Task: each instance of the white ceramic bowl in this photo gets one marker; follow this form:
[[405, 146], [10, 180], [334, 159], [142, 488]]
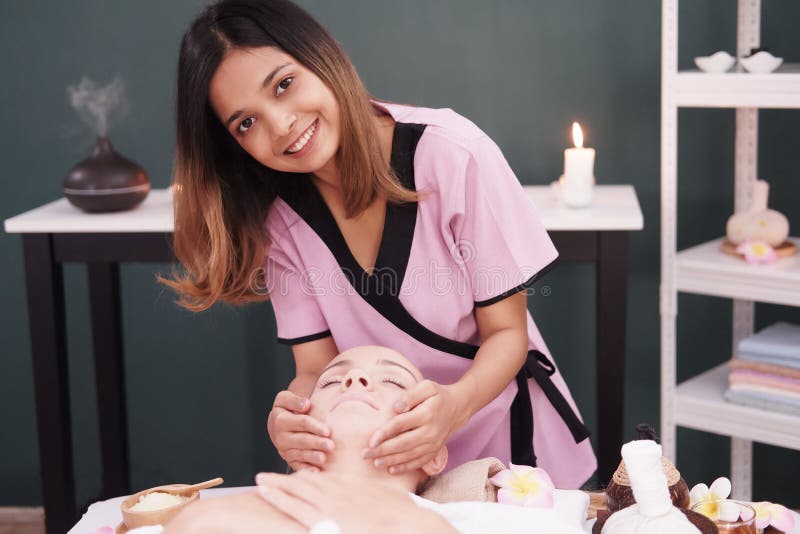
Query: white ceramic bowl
[[761, 62], [716, 63]]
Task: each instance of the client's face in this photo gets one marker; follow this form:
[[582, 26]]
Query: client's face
[[355, 393]]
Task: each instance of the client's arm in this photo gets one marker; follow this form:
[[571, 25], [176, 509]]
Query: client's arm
[[356, 504], [295, 503]]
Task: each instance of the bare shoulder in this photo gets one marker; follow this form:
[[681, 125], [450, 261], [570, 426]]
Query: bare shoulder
[[244, 513]]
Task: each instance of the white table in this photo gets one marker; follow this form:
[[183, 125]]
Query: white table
[[57, 233], [615, 207]]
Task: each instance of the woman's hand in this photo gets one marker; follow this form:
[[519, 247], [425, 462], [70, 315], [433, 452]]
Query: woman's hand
[[428, 414], [356, 505], [300, 439]]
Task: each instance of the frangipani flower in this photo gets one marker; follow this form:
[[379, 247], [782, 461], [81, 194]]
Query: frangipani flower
[[757, 252], [713, 501], [524, 485], [720, 510], [720, 489], [776, 515]]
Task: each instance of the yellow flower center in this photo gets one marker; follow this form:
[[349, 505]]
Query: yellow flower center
[[525, 485], [709, 509]]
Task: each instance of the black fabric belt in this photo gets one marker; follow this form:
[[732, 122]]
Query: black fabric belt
[[540, 368]]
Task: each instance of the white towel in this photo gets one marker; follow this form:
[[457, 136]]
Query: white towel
[[566, 517]]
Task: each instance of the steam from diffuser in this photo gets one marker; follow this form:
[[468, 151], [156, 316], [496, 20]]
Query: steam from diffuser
[[96, 105]]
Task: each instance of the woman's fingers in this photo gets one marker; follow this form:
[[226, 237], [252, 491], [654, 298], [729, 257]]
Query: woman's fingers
[[292, 402], [300, 439], [411, 465], [283, 498], [409, 452], [303, 484], [314, 458], [416, 395], [397, 425], [303, 440], [286, 421], [405, 441]]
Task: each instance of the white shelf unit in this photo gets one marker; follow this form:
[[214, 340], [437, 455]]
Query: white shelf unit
[[698, 403], [705, 270], [779, 89]]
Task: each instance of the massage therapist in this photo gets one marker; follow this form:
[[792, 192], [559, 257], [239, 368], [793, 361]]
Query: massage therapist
[[369, 223]]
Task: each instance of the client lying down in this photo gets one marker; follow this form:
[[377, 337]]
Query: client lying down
[[354, 396]]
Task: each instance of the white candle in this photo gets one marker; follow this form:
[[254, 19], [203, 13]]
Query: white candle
[[578, 161], [577, 182]]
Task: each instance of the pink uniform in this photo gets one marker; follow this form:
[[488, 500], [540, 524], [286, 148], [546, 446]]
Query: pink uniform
[[473, 239]]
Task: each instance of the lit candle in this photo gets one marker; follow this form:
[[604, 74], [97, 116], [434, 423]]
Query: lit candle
[[577, 183], [578, 161]]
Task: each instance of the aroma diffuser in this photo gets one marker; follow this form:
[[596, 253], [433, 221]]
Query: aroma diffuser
[[106, 181]]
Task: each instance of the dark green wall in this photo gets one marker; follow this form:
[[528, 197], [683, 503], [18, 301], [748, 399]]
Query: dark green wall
[[199, 386]]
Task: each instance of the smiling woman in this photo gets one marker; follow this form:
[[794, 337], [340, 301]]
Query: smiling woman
[[367, 223], [289, 121], [290, 74]]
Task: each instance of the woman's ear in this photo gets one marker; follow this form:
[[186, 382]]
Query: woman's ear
[[437, 464]]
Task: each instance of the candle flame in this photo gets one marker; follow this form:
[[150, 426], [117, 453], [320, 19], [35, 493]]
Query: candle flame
[[577, 135]]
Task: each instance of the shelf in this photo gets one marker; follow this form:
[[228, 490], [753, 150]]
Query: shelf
[[780, 89], [699, 404], [706, 270]]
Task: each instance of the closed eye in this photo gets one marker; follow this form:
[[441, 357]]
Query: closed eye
[[328, 380], [394, 380]]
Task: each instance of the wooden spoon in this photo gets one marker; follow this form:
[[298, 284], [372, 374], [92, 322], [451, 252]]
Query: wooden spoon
[[177, 489]]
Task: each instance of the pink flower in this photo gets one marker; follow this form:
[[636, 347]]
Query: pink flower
[[103, 530], [778, 516], [524, 485], [757, 252]]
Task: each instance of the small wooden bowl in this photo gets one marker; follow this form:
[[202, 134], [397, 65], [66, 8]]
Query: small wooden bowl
[[134, 519]]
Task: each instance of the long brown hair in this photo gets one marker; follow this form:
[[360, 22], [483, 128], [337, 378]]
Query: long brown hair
[[222, 194]]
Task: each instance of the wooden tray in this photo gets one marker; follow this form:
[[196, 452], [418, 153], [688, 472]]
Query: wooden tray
[[784, 250]]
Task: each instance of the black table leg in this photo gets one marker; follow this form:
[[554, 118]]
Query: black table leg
[[104, 294], [612, 279], [46, 319]]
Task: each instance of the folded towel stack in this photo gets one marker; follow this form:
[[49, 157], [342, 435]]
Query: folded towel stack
[[766, 373]]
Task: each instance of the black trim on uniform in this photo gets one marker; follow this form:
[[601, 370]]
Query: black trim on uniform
[[524, 285], [303, 339], [540, 368], [380, 289], [398, 227], [522, 423]]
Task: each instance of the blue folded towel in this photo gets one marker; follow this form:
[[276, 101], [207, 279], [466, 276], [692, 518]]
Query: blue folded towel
[[778, 343], [763, 401], [794, 363]]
